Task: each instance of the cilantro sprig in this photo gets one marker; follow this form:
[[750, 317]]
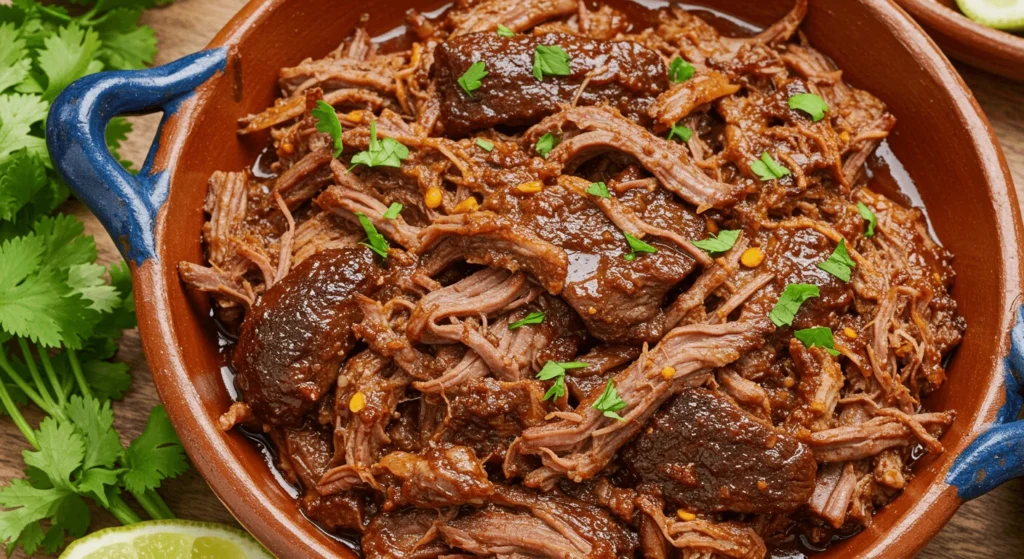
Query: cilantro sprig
[[386, 152], [636, 246], [839, 263], [550, 60], [609, 403], [789, 302], [472, 79], [680, 70], [819, 336], [556, 371], [717, 244], [536, 317], [328, 123], [766, 168], [61, 313]]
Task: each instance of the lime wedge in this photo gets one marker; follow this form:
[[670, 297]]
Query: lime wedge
[[167, 539], [1007, 15]]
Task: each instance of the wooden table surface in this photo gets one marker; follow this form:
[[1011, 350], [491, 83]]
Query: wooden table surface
[[987, 527]]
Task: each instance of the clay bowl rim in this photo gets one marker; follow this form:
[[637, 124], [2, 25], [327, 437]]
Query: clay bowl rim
[[289, 535], [1003, 50]]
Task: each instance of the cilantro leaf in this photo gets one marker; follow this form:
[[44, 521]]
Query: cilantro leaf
[[680, 70], [505, 31], [868, 216], [377, 243], [328, 123], [393, 211], [14, 63], [819, 336], [471, 80], [635, 246], [61, 451], [94, 421], [87, 280], [716, 244], [839, 263], [155, 455], [484, 144], [25, 506], [546, 143], [532, 318], [64, 242], [556, 371], [66, 56], [124, 44], [108, 380], [609, 402], [21, 177], [550, 60], [809, 103], [767, 168], [792, 297], [680, 132], [599, 189], [387, 152], [18, 112]]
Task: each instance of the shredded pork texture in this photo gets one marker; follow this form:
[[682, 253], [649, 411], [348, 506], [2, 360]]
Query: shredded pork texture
[[576, 345]]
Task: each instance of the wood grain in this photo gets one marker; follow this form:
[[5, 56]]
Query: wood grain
[[986, 527]]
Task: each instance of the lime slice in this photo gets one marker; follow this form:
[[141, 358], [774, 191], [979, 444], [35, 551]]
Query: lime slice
[[1007, 15], [167, 539]]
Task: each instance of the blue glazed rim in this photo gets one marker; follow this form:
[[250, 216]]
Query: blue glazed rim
[[129, 206]]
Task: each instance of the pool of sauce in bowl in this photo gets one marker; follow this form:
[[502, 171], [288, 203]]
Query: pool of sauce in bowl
[[884, 172]]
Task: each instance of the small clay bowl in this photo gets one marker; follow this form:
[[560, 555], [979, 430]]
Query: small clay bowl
[[963, 39], [942, 139]]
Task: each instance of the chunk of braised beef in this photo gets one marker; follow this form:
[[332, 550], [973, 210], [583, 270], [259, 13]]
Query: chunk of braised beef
[[295, 337], [624, 74], [708, 455], [434, 478]]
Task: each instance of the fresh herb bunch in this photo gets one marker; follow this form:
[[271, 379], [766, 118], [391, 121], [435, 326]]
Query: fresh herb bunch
[[60, 316]]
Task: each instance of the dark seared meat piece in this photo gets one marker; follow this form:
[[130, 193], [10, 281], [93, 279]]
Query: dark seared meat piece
[[295, 337], [437, 477], [622, 73], [708, 455]]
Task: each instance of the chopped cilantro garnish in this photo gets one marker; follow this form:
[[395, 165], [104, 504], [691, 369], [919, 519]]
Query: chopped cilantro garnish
[[470, 81], [393, 211], [839, 263], [636, 245], [328, 123], [809, 103], [546, 143], [377, 243], [550, 60], [716, 244], [505, 31], [532, 318], [387, 152], [680, 132], [609, 402], [680, 70], [819, 336], [599, 189], [767, 168], [484, 144], [556, 371], [789, 303], [868, 216]]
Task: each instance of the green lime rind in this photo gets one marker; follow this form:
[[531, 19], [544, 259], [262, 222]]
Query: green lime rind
[[167, 539], [1007, 15]]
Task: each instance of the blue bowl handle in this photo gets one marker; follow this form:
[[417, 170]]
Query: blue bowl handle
[[126, 204], [997, 454]]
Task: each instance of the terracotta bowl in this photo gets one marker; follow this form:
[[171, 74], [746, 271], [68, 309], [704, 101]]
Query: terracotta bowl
[[942, 139], [999, 52]]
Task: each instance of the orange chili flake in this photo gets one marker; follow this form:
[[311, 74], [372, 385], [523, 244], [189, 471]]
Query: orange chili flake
[[685, 515], [789, 382], [762, 485], [844, 136], [668, 373], [432, 198], [752, 257], [531, 187], [356, 116], [287, 148], [466, 206], [357, 403], [850, 333]]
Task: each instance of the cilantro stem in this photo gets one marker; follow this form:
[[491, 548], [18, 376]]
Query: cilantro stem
[[23, 385], [58, 388], [154, 505], [26, 355], [12, 408], [53, 13], [76, 367], [121, 511]]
